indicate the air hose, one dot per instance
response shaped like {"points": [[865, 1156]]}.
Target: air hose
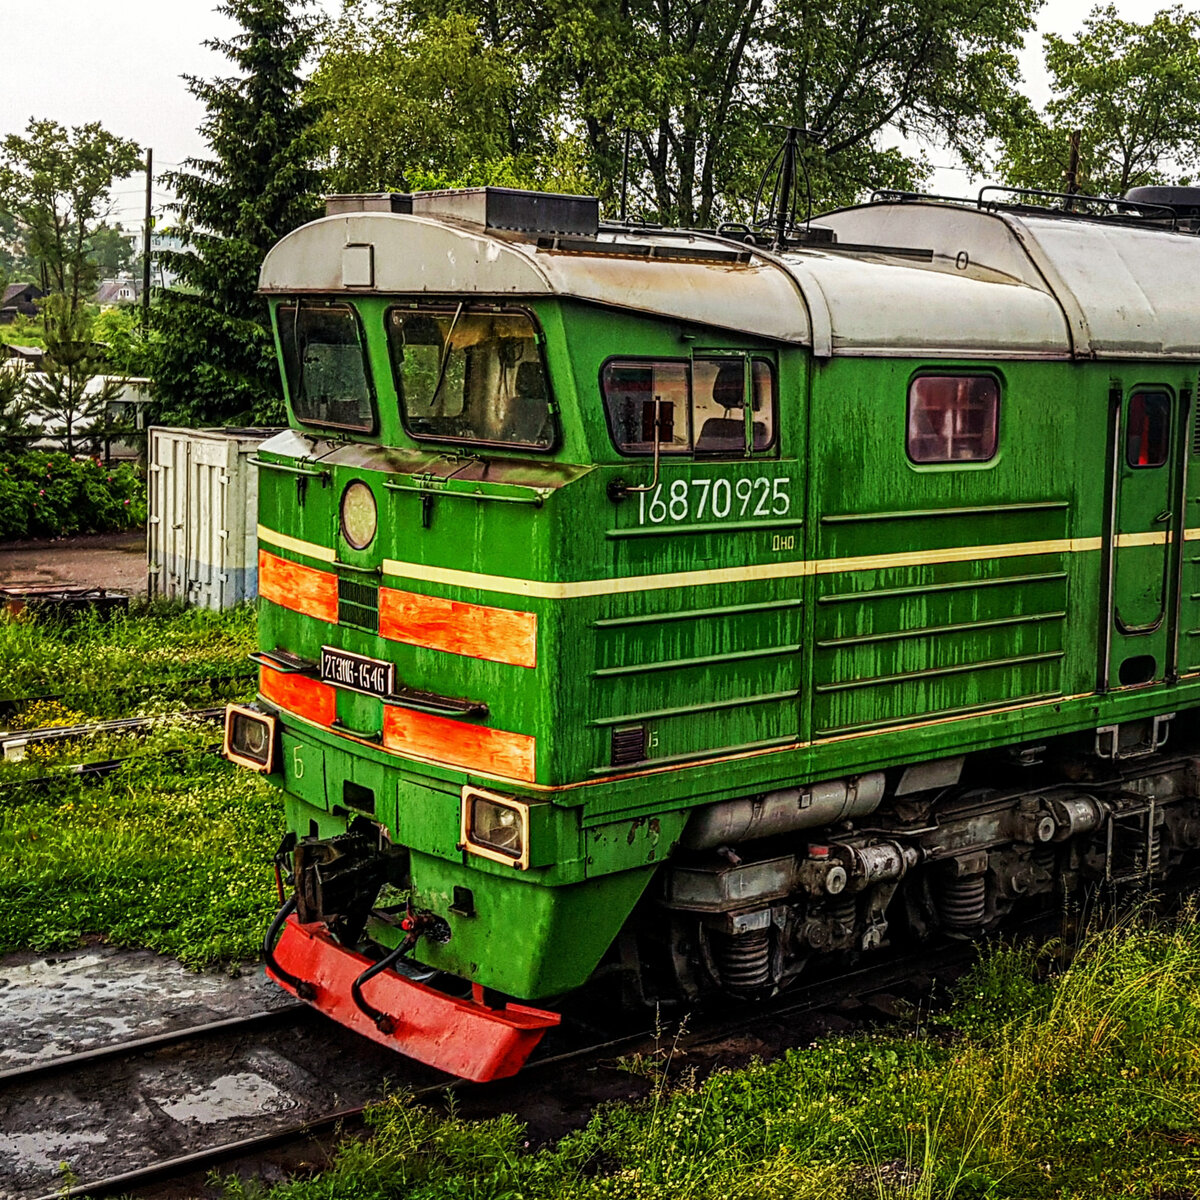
{"points": [[304, 989], [383, 1022]]}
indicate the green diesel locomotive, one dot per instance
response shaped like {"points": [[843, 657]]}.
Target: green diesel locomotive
{"points": [[664, 604]]}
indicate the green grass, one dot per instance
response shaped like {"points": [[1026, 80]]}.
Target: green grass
{"points": [[172, 852], [1075, 1086], [157, 658]]}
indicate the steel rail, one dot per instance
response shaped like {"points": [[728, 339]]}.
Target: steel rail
{"points": [[93, 772], [184, 683], [170, 1037], [808, 998], [62, 733]]}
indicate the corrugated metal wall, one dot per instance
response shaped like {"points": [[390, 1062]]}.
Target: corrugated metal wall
{"points": [[201, 536]]}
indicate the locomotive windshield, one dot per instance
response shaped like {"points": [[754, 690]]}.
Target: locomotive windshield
{"points": [[470, 377], [325, 365]]}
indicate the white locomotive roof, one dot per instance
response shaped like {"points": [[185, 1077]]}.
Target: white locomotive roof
{"points": [[999, 284], [427, 256], [1124, 291]]}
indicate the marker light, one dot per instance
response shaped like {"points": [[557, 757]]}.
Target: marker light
{"points": [[359, 516], [250, 738], [495, 827]]}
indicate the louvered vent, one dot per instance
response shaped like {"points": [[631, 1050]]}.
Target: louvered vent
{"points": [[628, 745], [1186, 397], [358, 604]]}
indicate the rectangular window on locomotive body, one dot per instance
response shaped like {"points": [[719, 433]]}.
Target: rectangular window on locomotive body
{"points": [[953, 418], [707, 407], [1148, 429], [324, 358]]}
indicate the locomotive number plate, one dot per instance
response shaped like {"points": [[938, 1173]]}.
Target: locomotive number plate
{"points": [[357, 672]]}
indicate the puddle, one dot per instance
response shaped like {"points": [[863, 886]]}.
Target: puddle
{"points": [[226, 1099], [44, 1150], [80, 999]]}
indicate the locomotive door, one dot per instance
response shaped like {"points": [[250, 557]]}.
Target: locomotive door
{"points": [[1143, 534]]}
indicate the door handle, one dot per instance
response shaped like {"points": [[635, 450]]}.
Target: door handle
{"points": [[1165, 515]]}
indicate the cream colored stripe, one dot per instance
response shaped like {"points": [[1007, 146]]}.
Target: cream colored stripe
{"points": [[916, 558], [782, 570], [295, 545], [1157, 538], [591, 587], [539, 589]]}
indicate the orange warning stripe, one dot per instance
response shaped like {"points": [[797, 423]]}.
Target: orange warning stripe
{"points": [[474, 747], [300, 694], [474, 630], [302, 589]]}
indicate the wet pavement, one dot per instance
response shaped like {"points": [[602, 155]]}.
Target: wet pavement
{"points": [[101, 1119], [110, 560], [62, 1003]]}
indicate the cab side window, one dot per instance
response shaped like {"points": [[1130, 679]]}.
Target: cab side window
{"points": [[705, 408], [953, 418]]}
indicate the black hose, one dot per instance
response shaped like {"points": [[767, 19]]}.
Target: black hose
{"points": [[382, 1021], [304, 989]]}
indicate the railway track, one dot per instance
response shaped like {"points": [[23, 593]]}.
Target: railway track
{"points": [[14, 744], [185, 685], [94, 772], [555, 1078]]}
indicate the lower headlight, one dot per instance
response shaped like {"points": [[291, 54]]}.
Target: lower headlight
{"points": [[250, 738], [495, 827]]}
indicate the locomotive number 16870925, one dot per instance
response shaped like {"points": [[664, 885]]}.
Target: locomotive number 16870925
{"points": [[714, 499]]}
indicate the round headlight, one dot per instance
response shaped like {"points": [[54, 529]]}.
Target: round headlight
{"points": [[359, 517]]}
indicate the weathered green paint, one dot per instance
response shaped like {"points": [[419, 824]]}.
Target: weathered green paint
{"points": [[744, 683]]}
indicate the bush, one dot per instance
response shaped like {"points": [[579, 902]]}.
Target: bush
{"points": [[52, 495]]}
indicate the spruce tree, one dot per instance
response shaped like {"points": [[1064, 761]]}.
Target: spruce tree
{"points": [[212, 356]]}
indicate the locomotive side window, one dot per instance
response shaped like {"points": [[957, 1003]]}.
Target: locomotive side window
{"points": [[325, 362], [630, 390], [470, 377], [1148, 431], [702, 406], [953, 418]]}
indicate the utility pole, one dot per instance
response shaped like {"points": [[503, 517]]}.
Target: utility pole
{"points": [[146, 240], [1072, 167]]}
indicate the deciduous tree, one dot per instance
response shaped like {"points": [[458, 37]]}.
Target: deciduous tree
{"points": [[1132, 90], [700, 85], [56, 183]]}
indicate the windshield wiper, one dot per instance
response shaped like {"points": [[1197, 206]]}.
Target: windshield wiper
{"points": [[445, 356]]}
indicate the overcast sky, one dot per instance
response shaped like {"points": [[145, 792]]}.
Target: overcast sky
{"points": [[120, 64]]}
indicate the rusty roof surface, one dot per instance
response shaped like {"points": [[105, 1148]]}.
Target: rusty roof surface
{"points": [[995, 284], [422, 256]]}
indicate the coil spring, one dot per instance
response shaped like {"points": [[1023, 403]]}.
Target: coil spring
{"points": [[744, 962], [1154, 851], [964, 902], [1045, 855], [845, 914]]}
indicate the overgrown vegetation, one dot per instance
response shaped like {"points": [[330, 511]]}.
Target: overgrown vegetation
{"points": [[156, 658], [1072, 1086], [54, 495], [172, 852]]}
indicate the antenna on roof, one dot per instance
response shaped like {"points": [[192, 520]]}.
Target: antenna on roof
{"points": [[781, 211]]}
